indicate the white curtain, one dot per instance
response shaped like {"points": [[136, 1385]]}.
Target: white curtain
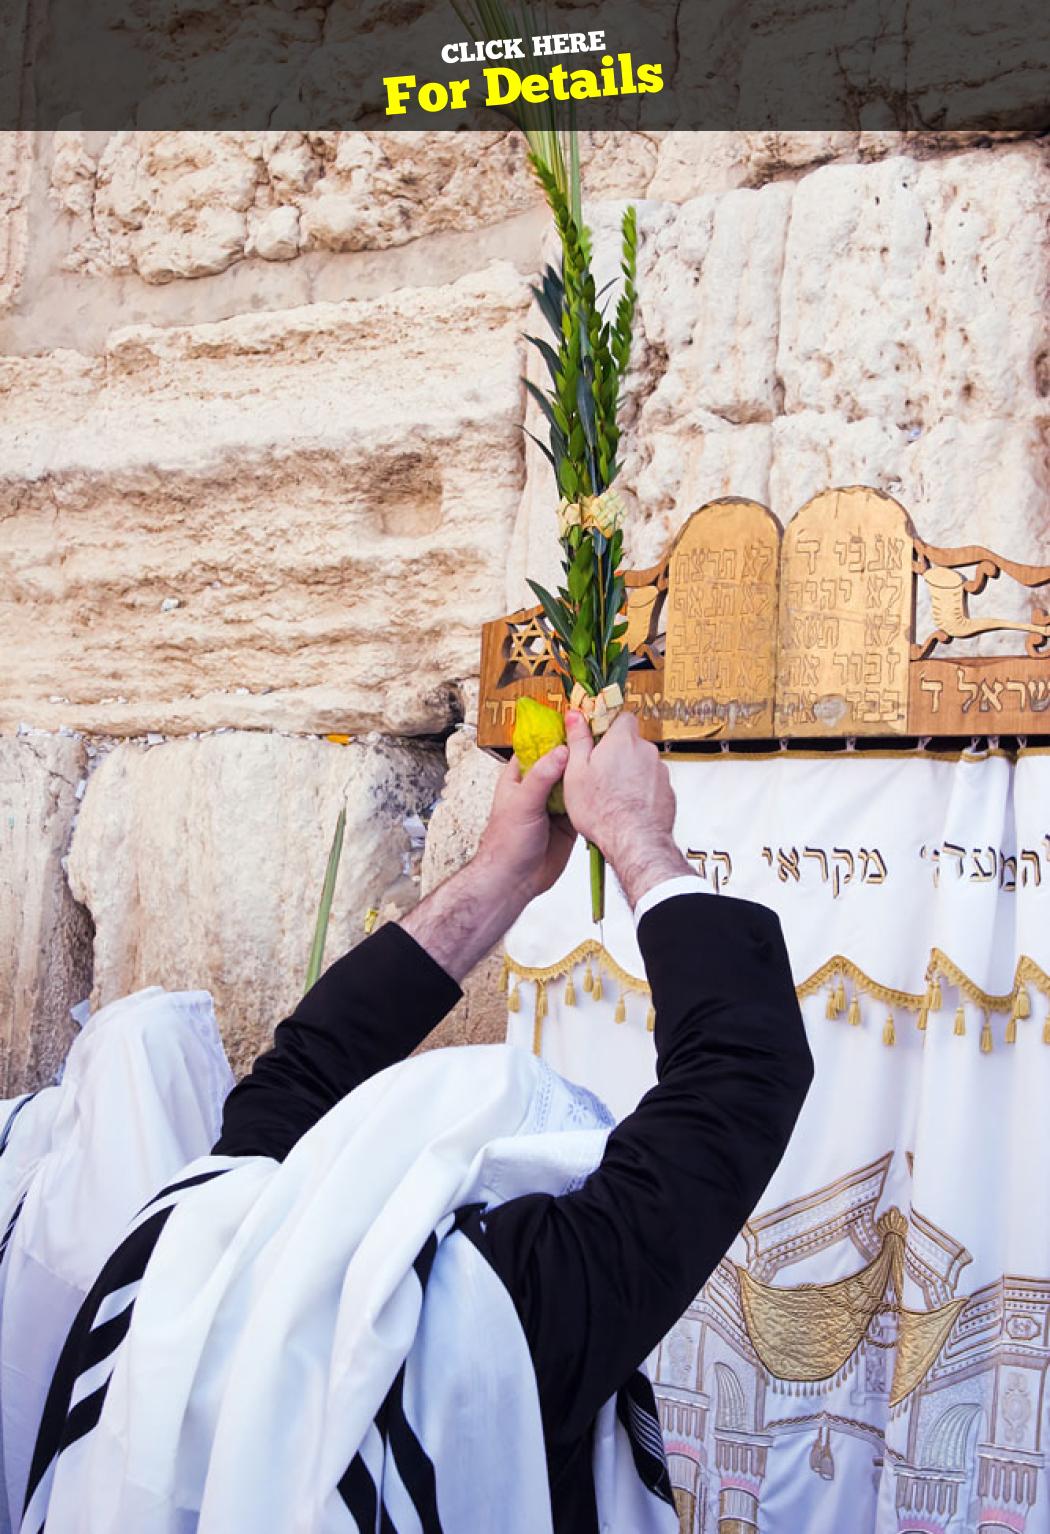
{"points": [[872, 1354]]}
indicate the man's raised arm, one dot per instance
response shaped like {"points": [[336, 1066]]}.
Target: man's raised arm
{"points": [[600, 1275], [379, 1001]]}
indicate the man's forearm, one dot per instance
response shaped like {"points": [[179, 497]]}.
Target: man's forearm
{"points": [[460, 921], [642, 860]]}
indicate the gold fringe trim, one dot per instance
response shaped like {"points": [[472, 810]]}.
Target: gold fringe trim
{"points": [[1027, 973], [839, 967], [1015, 1004]]}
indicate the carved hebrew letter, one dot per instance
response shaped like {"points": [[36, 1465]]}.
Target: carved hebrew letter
{"points": [[873, 874], [787, 864], [934, 855], [959, 853], [981, 874], [929, 685], [969, 689], [1039, 694], [822, 858], [721, 877], [838, 882], [700, 859]]}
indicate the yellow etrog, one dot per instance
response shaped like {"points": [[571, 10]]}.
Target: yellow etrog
{"points": [[537, 730]]}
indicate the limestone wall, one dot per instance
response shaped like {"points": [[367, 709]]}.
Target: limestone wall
{"points": [[262, 478]]}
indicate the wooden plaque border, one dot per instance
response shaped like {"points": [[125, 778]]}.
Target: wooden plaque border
{"points": [[844, 659]]}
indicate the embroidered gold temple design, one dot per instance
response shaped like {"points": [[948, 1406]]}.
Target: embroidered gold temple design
{"points": [[747, 631], [757, 1363]]}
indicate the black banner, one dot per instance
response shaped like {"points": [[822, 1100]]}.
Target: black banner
{"points": [[976, 65]]}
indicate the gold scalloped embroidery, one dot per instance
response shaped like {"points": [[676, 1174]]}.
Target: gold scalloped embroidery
{"points": [[836, 971]]}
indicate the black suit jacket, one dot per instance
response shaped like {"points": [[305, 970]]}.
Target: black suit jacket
{"points": [[600, 1275]]}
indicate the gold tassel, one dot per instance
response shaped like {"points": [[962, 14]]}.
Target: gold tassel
{"points": [[840, 997], [960, 1021], [889, 1033], [1011, 1031], [588, 979], [650, 1019], [936, 998], [854, 1012], [1023, 1004], [514, 999], [831, 1008], [986, 1036], [924, 1017], [570, 991], [620, 1015], [596, 990], [541, 1001], [1046, 1030]]}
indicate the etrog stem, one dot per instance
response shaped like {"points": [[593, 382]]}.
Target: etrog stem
{"points": [[597, 883]]}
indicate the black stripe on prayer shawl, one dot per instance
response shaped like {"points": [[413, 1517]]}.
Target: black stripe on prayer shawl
{"points": [[15, 1111], [636, 1409], [126, 1266], [358, 1491], [357, 1488], [179, 1187], [413, 1463], [88, 1345], [5, 1241]]}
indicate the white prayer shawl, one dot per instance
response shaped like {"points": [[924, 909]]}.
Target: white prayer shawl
{"points": [[288, 1363], [141, 1094]]}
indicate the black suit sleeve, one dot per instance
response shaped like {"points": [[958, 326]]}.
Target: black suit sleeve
{"points": [[369, 1010], [600, 1275]]}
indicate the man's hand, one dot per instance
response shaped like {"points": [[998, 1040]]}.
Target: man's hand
{"points": [[619, 796], [521, 840], [523, 850]]}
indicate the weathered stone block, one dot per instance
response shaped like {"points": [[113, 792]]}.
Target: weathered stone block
{"points": [[201, 862], [879, 324], [295, 521], [45, 937], [173, 205]]}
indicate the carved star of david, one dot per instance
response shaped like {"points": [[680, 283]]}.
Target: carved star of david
{"points": [[529, 645]]}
